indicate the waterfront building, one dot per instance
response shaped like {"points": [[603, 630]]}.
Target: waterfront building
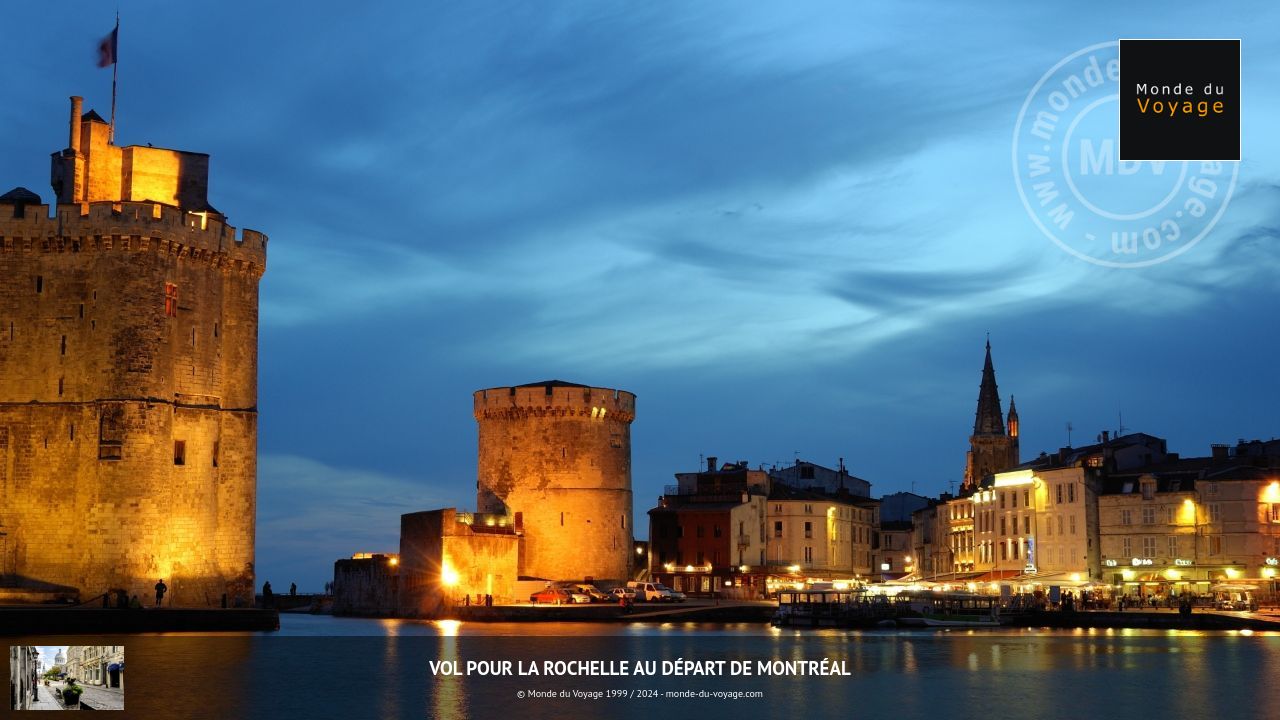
{"points": [[892, 557], [128, 379], [707, 536], [1190, 524], [827, 535], [930, 539]]}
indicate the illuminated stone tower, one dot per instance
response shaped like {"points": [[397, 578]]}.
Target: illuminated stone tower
{"points": [[991, 449], [128, 378], [559, 454]]}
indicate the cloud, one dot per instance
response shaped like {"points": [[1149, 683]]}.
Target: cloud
{"points": [[310, 514]]}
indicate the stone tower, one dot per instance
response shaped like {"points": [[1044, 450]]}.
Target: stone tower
{"points": [[991, 449], [559, 455], [128, 378]]}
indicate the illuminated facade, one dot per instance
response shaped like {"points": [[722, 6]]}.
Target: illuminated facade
{"points": [[557, 455], [1191, 523], [447, 556], [128, 379]]}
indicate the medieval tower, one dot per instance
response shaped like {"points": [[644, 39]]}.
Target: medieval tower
{"points": [[991, 448], [128, 378], [558, 455]]}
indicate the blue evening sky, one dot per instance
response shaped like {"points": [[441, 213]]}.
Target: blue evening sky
{"points": [[786, 227]]}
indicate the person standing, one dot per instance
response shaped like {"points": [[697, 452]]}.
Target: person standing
{"points": [[161, 589], [268, 598], [293, 589]]}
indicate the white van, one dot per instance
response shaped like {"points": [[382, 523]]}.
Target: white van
{"points": [[650, 592]]}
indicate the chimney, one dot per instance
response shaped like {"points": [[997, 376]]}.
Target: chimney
{"points": [[1106, 435], [76, 105], [1220, 452], [711, 463]]}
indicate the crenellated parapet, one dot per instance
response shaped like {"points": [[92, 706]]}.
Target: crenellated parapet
{"points": [[554, 399], [144, 227]]}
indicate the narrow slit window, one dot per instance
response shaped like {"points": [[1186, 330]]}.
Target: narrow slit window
{"points": [[216, 445], [179, 452], [39, 283]]}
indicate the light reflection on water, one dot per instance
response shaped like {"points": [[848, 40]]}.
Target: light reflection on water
{"points": [[321, 667]]}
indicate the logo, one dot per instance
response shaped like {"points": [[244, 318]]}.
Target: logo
{"points": [[1096, 207]]}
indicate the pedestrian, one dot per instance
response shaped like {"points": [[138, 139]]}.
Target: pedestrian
{"points": [[466, 600], [268, 598], [161, 589], [488, 600], [293, 589]]}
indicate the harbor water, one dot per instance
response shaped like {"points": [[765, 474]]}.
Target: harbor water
{"points": [[326, 667]]}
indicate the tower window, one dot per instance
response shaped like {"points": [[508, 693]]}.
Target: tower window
{"points": [[60, 386], [179, 452], [170, 300], [39, 283], [216, 445], [63, 346]]}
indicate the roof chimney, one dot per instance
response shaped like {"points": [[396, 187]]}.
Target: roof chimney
{"points": [[1106, 435], [711, 463], [76, 104]]}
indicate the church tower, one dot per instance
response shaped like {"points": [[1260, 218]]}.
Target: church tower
{"points": [[991, 449]]}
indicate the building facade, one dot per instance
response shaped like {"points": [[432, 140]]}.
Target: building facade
{"points": [[23, 676], [449, 558], [101, 665], [707, 533], [557, 456], [128, 378], [1193, 524]]}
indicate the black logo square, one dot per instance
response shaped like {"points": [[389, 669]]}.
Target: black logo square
{"points": [[1179, 100]]}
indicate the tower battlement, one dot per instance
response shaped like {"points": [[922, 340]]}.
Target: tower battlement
{"points": [[137, 226], [555, 399]]}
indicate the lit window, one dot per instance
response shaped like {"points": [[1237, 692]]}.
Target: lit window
{"points": [[170, 300]]}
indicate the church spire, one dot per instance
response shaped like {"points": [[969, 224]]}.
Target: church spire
{"points": [[989, 419]]}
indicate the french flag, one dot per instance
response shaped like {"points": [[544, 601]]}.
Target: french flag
{"points": [[107, 49]]}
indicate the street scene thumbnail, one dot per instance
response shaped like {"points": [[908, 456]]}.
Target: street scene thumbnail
{"points": [[66, 677]]}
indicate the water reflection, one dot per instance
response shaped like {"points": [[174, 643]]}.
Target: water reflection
{"points": [[332, 667]]}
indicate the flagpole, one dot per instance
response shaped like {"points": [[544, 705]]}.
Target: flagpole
{"points": [[115, 70]]}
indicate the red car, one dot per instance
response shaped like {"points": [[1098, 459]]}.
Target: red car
{"points": [[551, 596]]}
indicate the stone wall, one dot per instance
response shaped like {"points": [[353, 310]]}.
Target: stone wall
{"points": [[128, 401], [443, 559], [366, 586]]}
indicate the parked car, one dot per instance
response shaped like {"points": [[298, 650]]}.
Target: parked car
{"points": [[551, 596], [619, 593], [671, 595], [652, 592], [592, 592], [577, 596]]}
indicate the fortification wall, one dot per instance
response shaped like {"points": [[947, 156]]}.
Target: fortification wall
{"points": [[128, 400]]}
